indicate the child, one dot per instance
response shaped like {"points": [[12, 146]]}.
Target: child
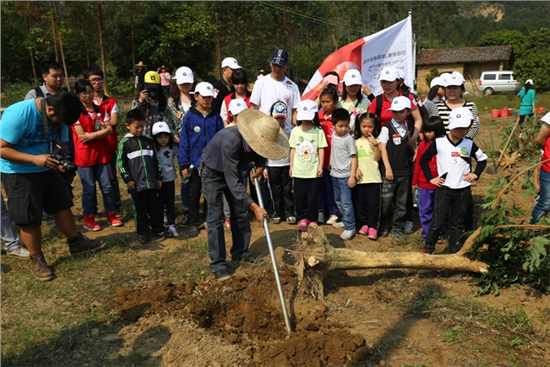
{"points": [[394, 138], [140, 169], [369, 181], [151, 100], [277, 174], [92, 156], [239, 81], [167, 151], [543, 189], [352, 99], [329, 101], [199, 126], [454, 154], [306, 167], [343, 167], [433, 128]]}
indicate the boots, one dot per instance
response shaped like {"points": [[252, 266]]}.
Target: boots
{"points": [[40, 268], [83, 244]]}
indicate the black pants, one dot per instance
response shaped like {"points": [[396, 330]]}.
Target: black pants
{"points": [[168, 197], [394, 203], [195, 191], [367, 204], [148, 212], [306, 195], [280, 184], [469, 216], [522, 118], [455, 202]]}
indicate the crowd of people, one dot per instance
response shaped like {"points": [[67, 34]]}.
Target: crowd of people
{"points": [[348, 159]]}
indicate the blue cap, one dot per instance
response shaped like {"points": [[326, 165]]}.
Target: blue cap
{"points": [[279, 57]]}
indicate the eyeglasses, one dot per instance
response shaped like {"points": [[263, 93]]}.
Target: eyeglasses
{"points": [[91, 93], [98, 80]]}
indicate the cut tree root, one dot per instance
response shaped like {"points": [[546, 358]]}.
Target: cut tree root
{"points": [[315, 257]]}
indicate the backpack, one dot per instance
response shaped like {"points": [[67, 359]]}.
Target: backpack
{"points": [[39, 94]]}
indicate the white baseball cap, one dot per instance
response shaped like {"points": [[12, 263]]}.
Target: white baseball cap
{"points": [[529, 81], [444, 76], [460, 117], [230, 62], [400, 73], [306, 110], [160, 127], [546, 118], [399, 104], [454, 79], [437, 81], [184, 75], [205, 89], [236, 106], [389, 74], [352, 77]]}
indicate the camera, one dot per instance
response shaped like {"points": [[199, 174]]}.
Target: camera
{"points": [[64, 162], [153, 93]]}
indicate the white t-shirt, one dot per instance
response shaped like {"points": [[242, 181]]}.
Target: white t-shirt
{"points": [[267, 91]]}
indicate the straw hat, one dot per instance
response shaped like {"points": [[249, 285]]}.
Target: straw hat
{"points": [[263, 134], [140, 64]]}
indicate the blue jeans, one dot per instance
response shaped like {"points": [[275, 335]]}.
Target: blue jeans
{"points": [[342, 196], [88, 177], [543, 204], [9, 238], [213, 184]]}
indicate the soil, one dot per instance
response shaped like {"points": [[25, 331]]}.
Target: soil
{"points": [[367, 317]]}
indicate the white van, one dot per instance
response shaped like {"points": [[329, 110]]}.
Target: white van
{"points": [[498, 81]]}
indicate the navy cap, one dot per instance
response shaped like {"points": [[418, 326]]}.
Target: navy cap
{"points": [[279, 57]]}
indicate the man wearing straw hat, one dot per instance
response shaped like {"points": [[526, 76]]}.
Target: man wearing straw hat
{"points": [[256, 137], [140, 76]]}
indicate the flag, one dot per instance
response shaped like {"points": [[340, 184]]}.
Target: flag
{"points": [[392, 46]]}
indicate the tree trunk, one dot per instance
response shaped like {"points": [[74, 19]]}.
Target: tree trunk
{"points": [[315, 257], [61, 46], [101, 48], [54, 32], [30, 50], [133, 38]]}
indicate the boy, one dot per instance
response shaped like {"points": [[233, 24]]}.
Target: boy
{"points": [[199, 126], [141, 171], [395, 170], [343, 166], [454, 154], [95, 76], [278, 176]]}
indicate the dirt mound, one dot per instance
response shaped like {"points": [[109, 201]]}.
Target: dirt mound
{"points": [[247, 311]]}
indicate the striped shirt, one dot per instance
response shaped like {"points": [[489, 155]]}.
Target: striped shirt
{"points": [[443, 110]]}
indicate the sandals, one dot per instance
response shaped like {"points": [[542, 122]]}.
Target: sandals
{"points": [[193, 232]]}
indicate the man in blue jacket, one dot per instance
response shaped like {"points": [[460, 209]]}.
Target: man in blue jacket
{"points": [[199, 126]]}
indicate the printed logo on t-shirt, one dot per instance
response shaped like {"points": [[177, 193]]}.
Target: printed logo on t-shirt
{"points": [[306, 149], [455, 154]]}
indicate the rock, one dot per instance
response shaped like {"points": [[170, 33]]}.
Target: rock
{"points": [[144, 273], [216, 364], [110, 338]]}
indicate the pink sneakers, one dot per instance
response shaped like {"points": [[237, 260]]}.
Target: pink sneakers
{"points": [[364, 230], [90, 224], [373, 234], [302, 226]]}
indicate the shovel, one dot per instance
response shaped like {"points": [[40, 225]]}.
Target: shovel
{"points": [[493, 170], [271, 252]]}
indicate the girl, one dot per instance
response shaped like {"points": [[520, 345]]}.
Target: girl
{"points": [[432, 129], [329, 101], [179, 103], [306, 157], [239, 80], [93, 155], [436, 93], [151, 100], [527, 106], [369, 181], [352, 98], [167, 150]]}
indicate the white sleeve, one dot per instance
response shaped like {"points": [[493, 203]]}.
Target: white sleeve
{"points": [[223, 112], [255, 97], [384, 135]]}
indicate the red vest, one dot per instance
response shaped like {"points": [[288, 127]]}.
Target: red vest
{"points": [[93, 152]]}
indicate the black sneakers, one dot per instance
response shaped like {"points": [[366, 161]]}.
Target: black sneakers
{"points": [[222, 274]]}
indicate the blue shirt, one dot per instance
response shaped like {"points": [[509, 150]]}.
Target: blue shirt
{"points": [[21, 125]]}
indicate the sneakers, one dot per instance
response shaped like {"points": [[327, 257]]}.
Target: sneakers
{"points": [[143, 239], [291, 220], [373, 234], [222, 274], [333, 219], [321, 217], [193, 231], [251, 259], [184, 221], [312, 224], [40, 268], [424, 251], [90, 224], [364, 230], [228, 223], [396, 235], [111, 218], [276, 220], [408, 227], [302, 226], [165, 218], [84, 245], [172, 229], [19, 252], [347, 234], [338, 225], [118, 212], [384, 233]]}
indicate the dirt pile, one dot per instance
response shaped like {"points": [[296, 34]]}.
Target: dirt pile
{"points": [[246, 311]]}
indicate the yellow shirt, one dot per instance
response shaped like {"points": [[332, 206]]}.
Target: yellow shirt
{"points": [[366, 162]]}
